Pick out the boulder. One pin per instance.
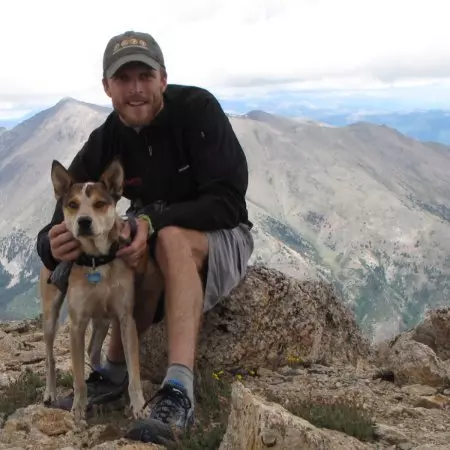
(434, 331)
(413, 362)
(269, 320)
(258, 424)
(420, 355)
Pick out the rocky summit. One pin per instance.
(281, 364)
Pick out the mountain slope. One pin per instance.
(370, 201)
(26, 153)
(362, 206)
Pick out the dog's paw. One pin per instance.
(79, 417)
(141, 413)
(49, 397)
(137, 403)
(80, 426)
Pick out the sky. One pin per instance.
(367, 52)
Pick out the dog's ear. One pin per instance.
(61, 179)
(112, 178)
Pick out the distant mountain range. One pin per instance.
(431, 124)
(361, 205)
(424, 125)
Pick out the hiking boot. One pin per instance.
(101, 391)
(171, 413)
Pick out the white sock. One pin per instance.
(179, 373)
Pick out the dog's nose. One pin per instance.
(84, 222)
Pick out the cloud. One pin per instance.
(234, 48)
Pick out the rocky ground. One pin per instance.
(281, 365)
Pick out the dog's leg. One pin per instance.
(131, 350)
(130, 342)
(100, 329)
(51, 301)
(77, 335)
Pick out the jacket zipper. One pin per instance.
(149, 146)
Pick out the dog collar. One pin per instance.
(93, 261)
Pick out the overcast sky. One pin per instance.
(53, 49)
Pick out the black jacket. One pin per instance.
(188, 161)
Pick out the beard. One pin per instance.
(139, 110)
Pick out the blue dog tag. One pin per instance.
(94, 277)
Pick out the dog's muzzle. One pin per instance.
(84, 226)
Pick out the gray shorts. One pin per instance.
(229, 253)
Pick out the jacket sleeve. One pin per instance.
(84, 167)
(219, 167)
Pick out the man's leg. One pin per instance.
(182, 255)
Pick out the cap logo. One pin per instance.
(130, 42)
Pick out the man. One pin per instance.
(186, 177)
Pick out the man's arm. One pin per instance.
(220, 169)
(43, 242)
(84, 167)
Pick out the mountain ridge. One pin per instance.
(363, 207)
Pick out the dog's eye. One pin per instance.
(73, 205)
(99, 204)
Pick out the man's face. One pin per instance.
(136, 91)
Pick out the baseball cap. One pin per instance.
(129, 47)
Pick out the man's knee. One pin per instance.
(176, 242)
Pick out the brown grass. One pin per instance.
(345, 416)
(27, 390)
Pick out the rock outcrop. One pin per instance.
(257, 424)
(268, 320)
(420, 355)
(316, 383)
(434, 332)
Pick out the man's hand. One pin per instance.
(63, 245)
(132, 253)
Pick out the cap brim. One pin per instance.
(138, 57)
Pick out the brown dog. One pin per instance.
(99, 292)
